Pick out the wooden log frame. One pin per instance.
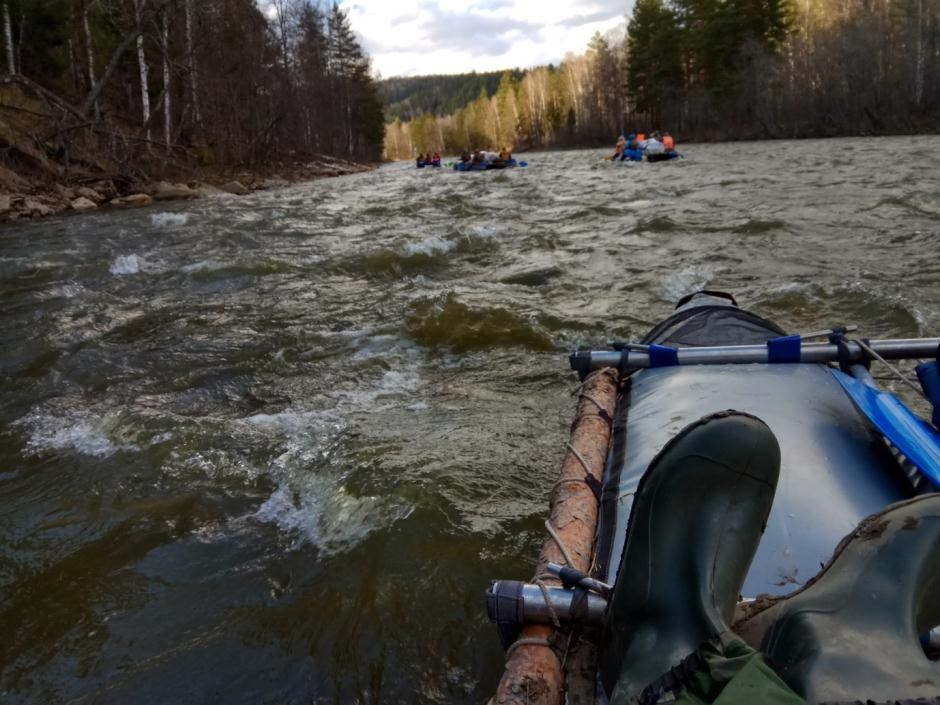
(535, 672)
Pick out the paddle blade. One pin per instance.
(914, 438)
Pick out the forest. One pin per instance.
(148, 85)
(714, 70)
(408, 97)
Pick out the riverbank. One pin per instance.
(22, 198)
(96, 168)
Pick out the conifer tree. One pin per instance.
(654, 57)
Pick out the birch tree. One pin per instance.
(89, 53)
(142, 66)
(8, 39)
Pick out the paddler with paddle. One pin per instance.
(618, 149)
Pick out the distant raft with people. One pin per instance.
(657, 148)
(427, 160)
(482, 160)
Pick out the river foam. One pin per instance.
(77, 431)
(168, 220)
(125, 264)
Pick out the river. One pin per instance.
(272, 449)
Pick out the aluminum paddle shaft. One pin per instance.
(637, 357)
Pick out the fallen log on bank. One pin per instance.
(535, 665)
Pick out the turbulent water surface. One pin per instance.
(271, 449)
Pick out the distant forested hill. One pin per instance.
(407, 98)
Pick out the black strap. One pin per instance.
(837, 338)
(708, 292)
(595, 486)
(579, 606)
(622, 366)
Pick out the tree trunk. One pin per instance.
(165, 38)
(142, 66)
(8, 37)
(90, 56)
(534, 674)
(92, 97)
(73, 66)
(191, 60)
(919, 59)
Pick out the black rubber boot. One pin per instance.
(852, 633)
(696, 521)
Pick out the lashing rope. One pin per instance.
(531, 641)
(538, 580)
(897, 373)
(585, 395)
(548, 602)
(580, 457)
(558, 542)
(592, 482)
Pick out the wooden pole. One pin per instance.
(534, 673)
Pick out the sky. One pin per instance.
(421, 37)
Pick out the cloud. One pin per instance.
(413, 37)
(481, 34)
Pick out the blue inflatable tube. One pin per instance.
(470, 166)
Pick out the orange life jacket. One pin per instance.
(668, 142)
(640, 137)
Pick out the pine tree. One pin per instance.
(654, 57)
(359, 105)
(714, 33)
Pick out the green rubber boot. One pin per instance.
(696, 521)
(852, 633)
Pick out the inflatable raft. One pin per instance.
(822, 552)
(470, 166)
(662, 157)
(636, 155)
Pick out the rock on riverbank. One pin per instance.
(21, 198)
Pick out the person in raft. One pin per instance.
(619, 148)
(668, 142)
(851, 634)
(654, 145)
(489, 157)
(436, 159)
(501, 160)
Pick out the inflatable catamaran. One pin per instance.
(725, 480)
